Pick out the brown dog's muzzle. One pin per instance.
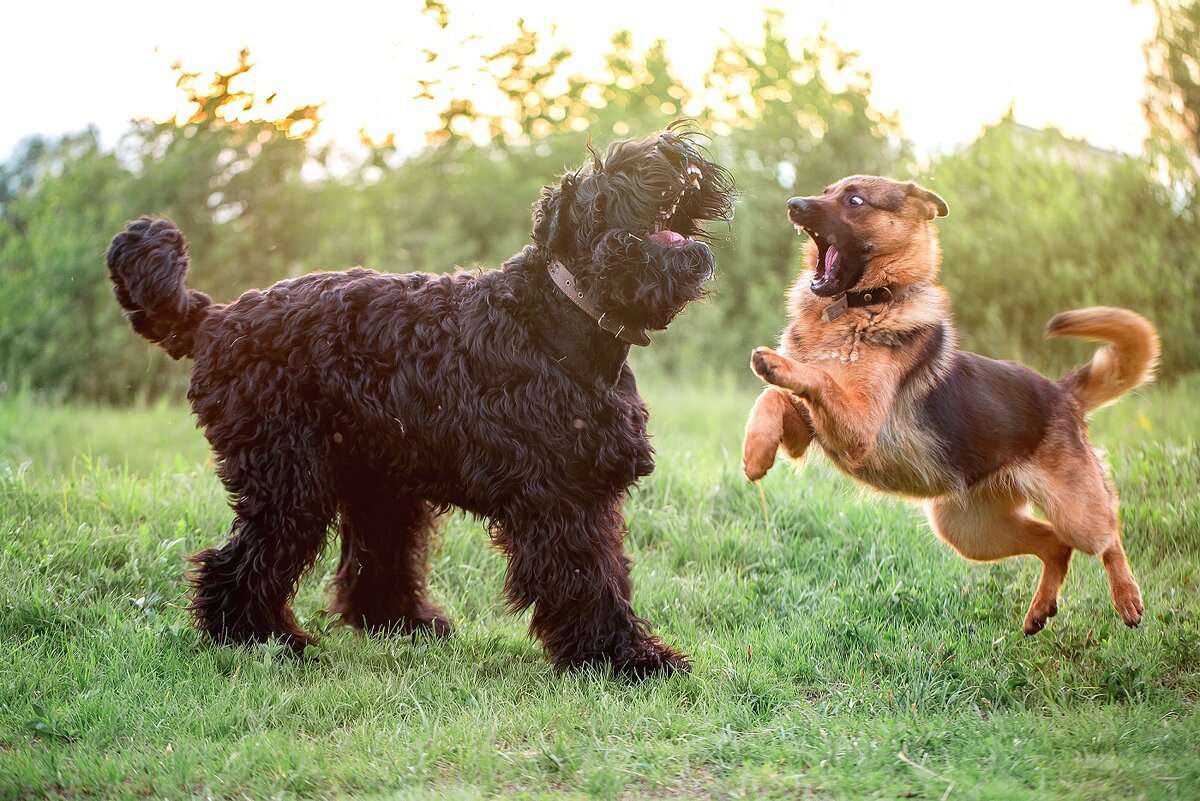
(805, 211)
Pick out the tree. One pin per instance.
(1172, 102)
(787, 121)
(229, 174)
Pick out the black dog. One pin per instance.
(384, 400)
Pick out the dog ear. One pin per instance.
(936, 207)
(551, 218)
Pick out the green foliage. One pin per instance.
(1173, 89)
(227, 175)
(787, 123)
(826, 642)
(1038, 224)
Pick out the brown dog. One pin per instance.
(869, 369)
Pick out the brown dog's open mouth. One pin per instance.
(829, 262)
(829, 275)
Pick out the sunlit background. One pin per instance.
(947, 68)
(287, 138)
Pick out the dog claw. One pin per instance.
(1131, 616)
(1037, 618)
(1128, 602)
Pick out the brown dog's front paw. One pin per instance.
(1128, 602)
(758, 455)
(1037, 618)
(767, 364)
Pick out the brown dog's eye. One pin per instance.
(855, 200)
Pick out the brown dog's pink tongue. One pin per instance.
(831, 257)
(668, 237)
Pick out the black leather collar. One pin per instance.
(565, 281)
(861, 298)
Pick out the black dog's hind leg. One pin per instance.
(380, 583)
(571, 566)
(242, 591)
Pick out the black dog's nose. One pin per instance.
(798, 204)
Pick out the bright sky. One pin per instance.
(948, 68)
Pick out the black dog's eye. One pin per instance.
(855, 200)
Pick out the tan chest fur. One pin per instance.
(868, 353)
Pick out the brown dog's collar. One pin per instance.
(565, 281)
(864, 297)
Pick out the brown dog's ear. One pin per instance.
(936, 206)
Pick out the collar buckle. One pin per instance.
(566, 283)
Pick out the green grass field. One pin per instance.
(840, 650)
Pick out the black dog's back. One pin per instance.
(434, 381)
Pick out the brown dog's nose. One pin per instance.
(798, 204)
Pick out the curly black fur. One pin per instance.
(381, 401)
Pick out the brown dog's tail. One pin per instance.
(1126, 362)
(148, 264)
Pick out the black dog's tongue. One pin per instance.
(668, 238)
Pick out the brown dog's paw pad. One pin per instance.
(766, 364)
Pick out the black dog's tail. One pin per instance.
(148, 264)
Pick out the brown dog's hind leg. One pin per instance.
(987, 528)
(774, 420)
(1126, 595)
(380, 582)
(1073, 490)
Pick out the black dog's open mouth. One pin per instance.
(672, 228)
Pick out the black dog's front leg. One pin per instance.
(571, 566)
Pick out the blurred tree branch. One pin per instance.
(1172, 102)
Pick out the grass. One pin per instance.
(840, 650)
